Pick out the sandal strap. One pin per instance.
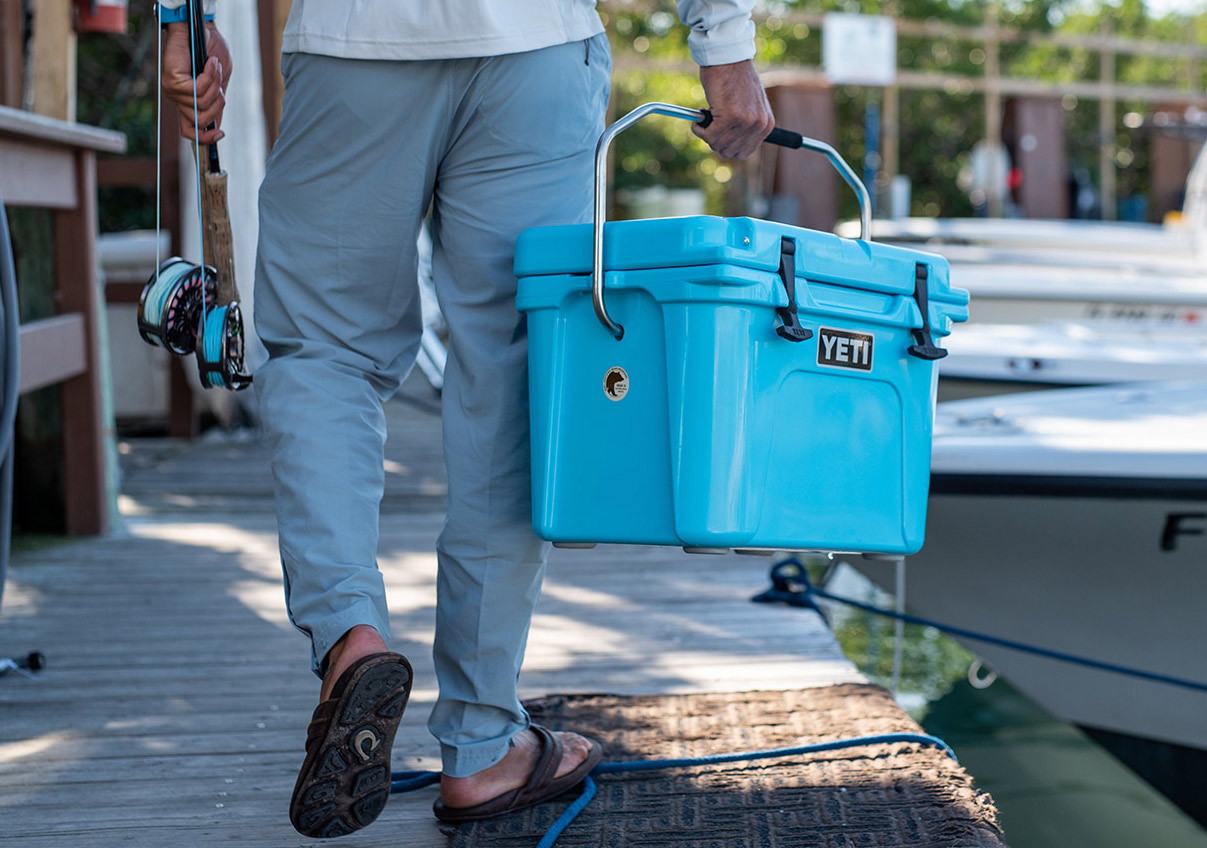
(547, 764)
(320, 722)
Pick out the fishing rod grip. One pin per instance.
(219, 249)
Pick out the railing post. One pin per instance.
(77, 289)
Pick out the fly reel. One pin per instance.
(220, 350)
(172, 302)
(177, 304)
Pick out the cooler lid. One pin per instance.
(747, 242)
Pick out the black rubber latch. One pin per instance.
(925, 347)
(790, 329)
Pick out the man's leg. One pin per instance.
(338, 310)
(522, 157)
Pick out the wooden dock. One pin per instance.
(174, 705)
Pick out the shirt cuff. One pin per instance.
(726, 42)
(721, 30)
(209, 7)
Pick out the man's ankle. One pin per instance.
(358, 642)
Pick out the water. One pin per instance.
(1053, 786)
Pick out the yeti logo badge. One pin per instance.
(844, 349)
(616, 383)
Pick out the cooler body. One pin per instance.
(704, 426)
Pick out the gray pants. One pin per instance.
(495, 145)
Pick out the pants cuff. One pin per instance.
(325, 634)
(469, 759)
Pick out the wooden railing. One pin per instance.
(51, 164)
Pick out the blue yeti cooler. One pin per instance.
(684, 401)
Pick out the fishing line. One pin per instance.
(197, 158)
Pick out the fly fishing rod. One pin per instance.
(194, 308)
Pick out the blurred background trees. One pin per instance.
(938, 128)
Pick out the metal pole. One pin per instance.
(890, 137)
(1106, 127)
(993, 111)
(871, 146)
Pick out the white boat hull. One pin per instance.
(990, 359)
(1082, 575)
(1076, 521)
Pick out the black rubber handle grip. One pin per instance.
(782, 137)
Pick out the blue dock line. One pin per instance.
(407, 781)
(790, 584)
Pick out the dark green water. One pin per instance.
(1053, 786)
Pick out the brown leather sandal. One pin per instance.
(344, 781)
(542, 784)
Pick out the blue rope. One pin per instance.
(802, 596)
(407, 781)
(715, 759)
(569, 814)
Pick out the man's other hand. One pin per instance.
(211, 83)
(741, 115)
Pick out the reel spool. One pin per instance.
(171, 303)
(220, 349)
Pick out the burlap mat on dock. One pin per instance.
(877, 796)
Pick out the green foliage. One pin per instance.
(938, 127)
(116, 90)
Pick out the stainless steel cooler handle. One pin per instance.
(782, 137)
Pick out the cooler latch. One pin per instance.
(790, 329)
(925, 347)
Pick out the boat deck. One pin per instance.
(174, 705)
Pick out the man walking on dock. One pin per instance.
(486, 112)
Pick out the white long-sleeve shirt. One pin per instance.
(721, 30)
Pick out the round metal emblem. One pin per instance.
(616, 383)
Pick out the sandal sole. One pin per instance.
(347, 785)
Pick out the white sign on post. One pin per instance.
(859, 49)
